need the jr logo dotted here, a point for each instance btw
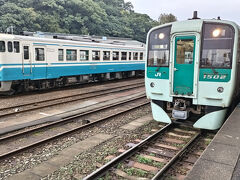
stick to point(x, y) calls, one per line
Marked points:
point(217, 76)
point(158, 74)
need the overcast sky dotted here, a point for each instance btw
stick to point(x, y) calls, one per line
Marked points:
point(183, 9)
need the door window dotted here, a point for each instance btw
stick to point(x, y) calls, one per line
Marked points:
point(26, 52)
point(60, 55)
point(185, 48)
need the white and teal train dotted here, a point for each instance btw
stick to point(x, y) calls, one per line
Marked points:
point(29, 62)
point(193, 71)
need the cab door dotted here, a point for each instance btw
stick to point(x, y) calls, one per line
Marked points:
point(26, 60)
point(183, 70)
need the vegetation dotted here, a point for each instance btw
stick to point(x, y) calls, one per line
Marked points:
point(93, 17)
point(166, 18)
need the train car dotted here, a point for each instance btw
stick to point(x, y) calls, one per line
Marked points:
point(193, 71)
point(43, 61)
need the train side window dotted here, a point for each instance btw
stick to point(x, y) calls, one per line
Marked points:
point(135, 56)
point(124, 56)
point(115, 55)
point(10, 46)
point(96, 55)
point(26, 52)
point(106, 55)
point(16, 47)
point(60, 55)
point(130, 56)
point(39, 54)
point(71, 55)
point(141, 56)
point(84, 55)
point(2, 46)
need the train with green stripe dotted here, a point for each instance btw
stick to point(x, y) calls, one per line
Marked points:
point(36, 61)
point(193, 71)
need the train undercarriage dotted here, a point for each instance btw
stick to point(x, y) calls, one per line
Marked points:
point(11, 87)
point(182, 110)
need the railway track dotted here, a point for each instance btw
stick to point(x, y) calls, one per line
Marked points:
point(13, 110)
point(183, 165)
point(10, 144)
point(151, 157)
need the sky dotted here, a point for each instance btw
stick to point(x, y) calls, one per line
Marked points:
point(183, 9)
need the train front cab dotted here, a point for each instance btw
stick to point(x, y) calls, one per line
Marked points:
point(191, 72)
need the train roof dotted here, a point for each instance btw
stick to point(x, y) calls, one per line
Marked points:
point(75, 39)
point(194, 24)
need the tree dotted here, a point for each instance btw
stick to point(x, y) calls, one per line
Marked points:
point(166, 18)
point(94, 17)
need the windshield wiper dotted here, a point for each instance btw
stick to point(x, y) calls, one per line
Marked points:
point(158, 69)
point(214, 71)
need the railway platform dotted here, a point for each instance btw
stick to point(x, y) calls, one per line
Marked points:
point(221, 160)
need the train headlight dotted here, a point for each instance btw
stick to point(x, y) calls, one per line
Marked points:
point(161, 36)
point(152, 84)
point(220, 89)
point(216, 32)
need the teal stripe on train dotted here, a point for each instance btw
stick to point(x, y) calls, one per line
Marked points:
point(51, 72)
point(215, 75)
point(158, 72)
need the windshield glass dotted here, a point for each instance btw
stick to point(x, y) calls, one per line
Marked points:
point(217, 46)
point(158, 47)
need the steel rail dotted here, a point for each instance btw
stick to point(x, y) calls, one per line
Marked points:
point(173, 160)
point(100, 93)
point(67, 132)
point(66, 119)
point(101, 171)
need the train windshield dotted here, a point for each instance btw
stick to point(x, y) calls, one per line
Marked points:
point(158, 47)
point(217, 46)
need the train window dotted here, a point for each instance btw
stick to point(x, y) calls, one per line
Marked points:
point(159, 47)
point(130, 56)
point(124, 56)
point(135, 56)
point(185, 49)
point(10, 46)
point(217, 46)
point(26, 52)
point(71, 55)
point(39, 54)
point(96, 55)
point(84, 55)
point(60, 55)
point(141, 56)
point(106, 55)
point(115, 55)
point(16, 46)
point(2, 46)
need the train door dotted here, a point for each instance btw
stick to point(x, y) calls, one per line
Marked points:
point(40, 62)
point(183, 70)
point(26, 61)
